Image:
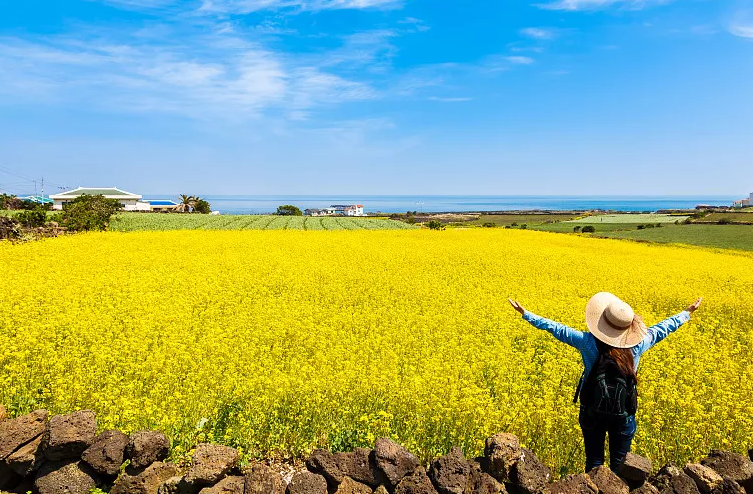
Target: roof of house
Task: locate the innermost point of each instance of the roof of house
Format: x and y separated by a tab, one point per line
162	202
108	192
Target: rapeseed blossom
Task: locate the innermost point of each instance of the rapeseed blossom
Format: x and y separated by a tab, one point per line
276	342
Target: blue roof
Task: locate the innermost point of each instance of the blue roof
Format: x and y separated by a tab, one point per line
162	202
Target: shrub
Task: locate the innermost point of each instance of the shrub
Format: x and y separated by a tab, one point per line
435	225
641	227
576	229
32	218
87	213
523	226
514	224
724	221
489	224
203	207
588	229
649	225
288	210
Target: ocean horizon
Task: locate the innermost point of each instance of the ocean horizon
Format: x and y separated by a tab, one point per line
263	204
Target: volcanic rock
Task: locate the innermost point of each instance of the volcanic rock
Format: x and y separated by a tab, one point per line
260	479
307	483
704	477
671	480
210	463
28	458
395	461
607	481
322	461
733	466
480	482
106	453
574	484
415	483
228	485
67	436
502	451
146	447
350	486
634	470
65	477
147	481
450	473
16	432
529	475
361	465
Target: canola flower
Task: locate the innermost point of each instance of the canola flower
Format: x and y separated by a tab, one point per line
276	342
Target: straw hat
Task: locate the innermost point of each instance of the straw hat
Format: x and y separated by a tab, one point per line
610	320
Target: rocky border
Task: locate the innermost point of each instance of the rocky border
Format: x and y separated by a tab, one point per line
63	455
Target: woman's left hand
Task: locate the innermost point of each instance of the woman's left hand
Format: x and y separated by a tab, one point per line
516	306
694	306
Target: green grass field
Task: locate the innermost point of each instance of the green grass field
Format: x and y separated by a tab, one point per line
520	219
634	218
718	236
733	217
567	226
130	222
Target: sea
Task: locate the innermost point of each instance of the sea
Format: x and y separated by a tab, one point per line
262	204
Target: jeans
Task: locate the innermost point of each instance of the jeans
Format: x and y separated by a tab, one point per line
621	432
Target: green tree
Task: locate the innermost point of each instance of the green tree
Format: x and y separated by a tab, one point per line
288	210
87	213
186	203
202	206
435	225
588	229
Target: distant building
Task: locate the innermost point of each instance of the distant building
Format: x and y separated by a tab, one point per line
318	212
162	205
128	200
743	203
337	209
37	199
349	209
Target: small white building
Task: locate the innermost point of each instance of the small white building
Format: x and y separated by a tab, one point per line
348	209
743	203
128	200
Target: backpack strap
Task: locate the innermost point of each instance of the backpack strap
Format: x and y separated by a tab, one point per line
584	377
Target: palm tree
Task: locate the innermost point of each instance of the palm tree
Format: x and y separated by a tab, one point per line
186	203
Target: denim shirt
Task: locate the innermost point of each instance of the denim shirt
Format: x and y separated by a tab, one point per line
585	343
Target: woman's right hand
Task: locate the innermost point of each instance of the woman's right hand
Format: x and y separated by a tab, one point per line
516	306
694	306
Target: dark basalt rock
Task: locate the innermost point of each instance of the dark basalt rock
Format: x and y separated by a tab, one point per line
146	447
307	483
67	436
107	452
65	477
16	432
395	461
450	473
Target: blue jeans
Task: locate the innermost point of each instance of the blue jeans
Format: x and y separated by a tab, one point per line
620	432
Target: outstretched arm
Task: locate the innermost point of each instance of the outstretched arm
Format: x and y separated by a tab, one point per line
565	334
659	331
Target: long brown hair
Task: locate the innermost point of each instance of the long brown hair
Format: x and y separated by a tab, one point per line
624	356
624	359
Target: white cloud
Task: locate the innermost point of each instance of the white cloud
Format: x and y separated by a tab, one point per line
518	60
538	33
741	30
449	100
217	76
575	5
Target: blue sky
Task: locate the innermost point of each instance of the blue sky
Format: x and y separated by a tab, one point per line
379	96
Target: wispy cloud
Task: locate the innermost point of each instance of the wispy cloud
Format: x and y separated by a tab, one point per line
741	30
248	6
449	100
575	5
519	60
416	24
539	33
218	76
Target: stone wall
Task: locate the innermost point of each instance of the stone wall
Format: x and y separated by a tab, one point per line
63	455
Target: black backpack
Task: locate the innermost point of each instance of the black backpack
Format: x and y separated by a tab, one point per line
607	393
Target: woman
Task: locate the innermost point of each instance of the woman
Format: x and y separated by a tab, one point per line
611	352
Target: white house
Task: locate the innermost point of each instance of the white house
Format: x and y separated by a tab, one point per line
348	209
128	200
743	203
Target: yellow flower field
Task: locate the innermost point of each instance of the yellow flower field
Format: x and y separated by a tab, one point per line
280	341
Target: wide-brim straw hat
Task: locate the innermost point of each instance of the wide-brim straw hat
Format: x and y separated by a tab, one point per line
610	320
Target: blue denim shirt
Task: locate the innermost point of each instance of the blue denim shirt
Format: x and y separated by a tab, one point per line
586	343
